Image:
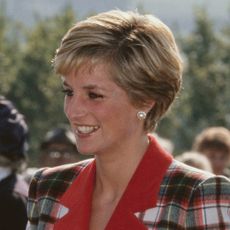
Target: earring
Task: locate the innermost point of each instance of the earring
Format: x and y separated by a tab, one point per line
141	115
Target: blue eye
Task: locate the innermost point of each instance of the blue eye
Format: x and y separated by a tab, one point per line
68	92
94	95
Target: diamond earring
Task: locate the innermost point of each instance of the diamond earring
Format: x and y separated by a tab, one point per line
141	115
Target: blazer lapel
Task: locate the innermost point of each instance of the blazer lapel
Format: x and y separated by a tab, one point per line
139	198
76	202
142	191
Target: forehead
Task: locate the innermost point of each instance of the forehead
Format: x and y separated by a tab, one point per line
90	72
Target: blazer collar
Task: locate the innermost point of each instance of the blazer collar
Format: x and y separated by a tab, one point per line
141	193
75	204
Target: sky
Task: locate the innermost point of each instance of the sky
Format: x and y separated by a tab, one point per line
175	13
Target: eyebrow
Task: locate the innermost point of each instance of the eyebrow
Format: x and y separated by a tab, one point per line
87	87
90	87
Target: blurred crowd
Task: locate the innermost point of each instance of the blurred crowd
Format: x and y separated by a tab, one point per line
57	147
210	152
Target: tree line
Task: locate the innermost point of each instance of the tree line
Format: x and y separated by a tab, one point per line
27	77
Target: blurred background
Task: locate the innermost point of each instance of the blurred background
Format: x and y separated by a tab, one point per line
30	31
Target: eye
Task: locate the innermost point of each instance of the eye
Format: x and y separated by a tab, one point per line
93	95
68	92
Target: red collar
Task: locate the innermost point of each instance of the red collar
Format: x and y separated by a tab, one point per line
140	194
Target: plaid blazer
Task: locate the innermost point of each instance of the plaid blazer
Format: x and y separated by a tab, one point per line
162	194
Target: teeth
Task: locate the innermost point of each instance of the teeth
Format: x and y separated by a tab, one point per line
86	129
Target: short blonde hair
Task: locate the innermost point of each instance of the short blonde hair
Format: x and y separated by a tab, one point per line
140	49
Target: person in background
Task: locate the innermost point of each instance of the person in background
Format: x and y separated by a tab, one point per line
13	148
214	143
196	160
121	71
58	147
164	142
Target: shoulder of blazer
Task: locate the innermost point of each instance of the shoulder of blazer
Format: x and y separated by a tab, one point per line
53	182
180	181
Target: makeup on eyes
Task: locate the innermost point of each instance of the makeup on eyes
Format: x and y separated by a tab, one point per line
67	92
92	94
93	90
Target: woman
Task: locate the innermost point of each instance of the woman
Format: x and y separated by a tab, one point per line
121	72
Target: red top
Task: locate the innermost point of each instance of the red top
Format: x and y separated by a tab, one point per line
141	193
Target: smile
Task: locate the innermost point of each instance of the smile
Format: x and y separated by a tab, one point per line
86	129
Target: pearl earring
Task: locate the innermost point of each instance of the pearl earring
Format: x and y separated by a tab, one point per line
141	115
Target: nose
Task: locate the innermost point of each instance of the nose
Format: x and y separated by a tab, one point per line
75	107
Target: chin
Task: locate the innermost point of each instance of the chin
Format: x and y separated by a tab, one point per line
85	152
89	149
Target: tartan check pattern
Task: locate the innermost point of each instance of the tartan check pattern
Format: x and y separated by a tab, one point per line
46	189
188	199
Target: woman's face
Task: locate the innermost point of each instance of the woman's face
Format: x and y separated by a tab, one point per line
100	113
219	159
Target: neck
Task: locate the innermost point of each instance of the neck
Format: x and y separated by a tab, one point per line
114	171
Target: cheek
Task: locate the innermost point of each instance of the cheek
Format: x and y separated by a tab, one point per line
122	118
